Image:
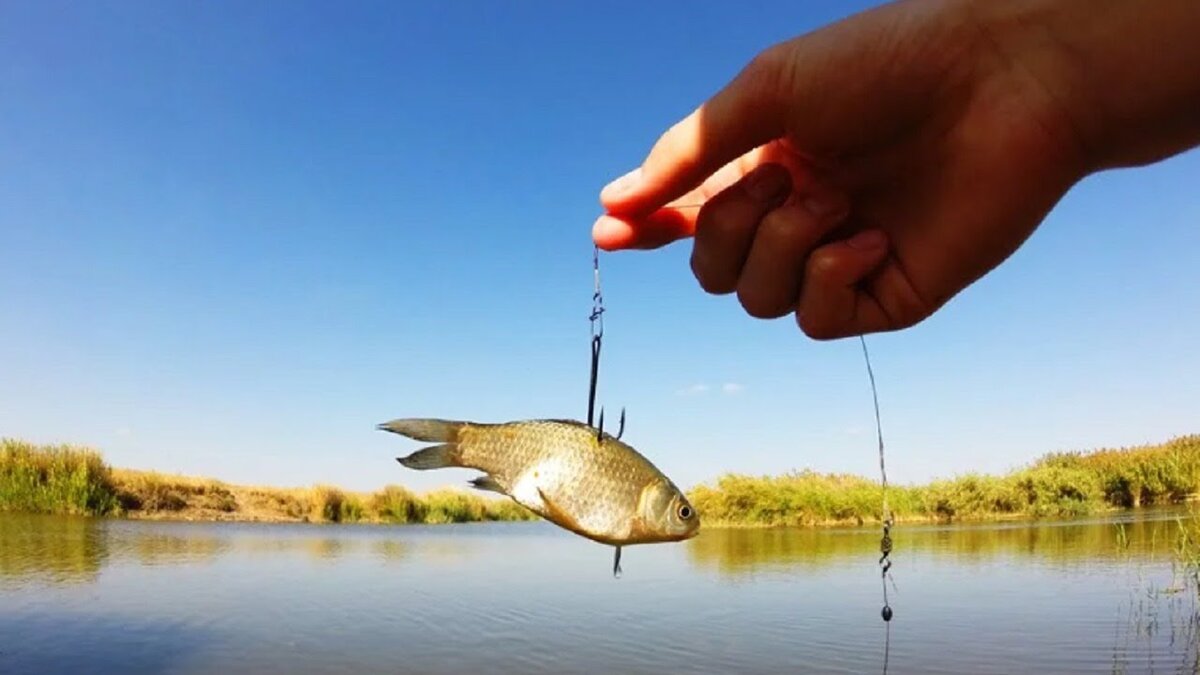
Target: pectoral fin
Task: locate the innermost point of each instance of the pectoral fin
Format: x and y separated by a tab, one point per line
487	484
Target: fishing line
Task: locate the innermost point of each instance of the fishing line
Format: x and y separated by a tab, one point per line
886	514
885	543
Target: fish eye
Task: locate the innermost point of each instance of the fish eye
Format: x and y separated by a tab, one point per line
685	511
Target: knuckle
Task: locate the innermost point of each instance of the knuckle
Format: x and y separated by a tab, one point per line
783	226
762	74
821	265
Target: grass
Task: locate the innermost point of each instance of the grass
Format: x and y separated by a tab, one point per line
1187	550
71	480
1058	485
54	479
74	480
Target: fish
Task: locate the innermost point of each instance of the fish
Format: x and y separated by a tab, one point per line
576	476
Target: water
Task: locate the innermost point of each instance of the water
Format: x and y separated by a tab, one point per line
96	596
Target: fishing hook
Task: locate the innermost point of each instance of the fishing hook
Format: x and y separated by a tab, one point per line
600	427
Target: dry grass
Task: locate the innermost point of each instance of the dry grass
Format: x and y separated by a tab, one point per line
67	479
1057	485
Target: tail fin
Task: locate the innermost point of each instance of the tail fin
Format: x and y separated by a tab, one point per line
432	430
434	457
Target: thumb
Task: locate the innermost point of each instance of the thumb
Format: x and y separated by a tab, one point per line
745	114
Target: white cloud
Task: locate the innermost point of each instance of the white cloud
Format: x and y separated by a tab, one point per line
700	388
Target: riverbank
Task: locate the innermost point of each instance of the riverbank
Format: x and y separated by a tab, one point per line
1063	484
75	480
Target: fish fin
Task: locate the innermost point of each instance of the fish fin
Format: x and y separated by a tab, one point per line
560	517
487	484
431	430
433	457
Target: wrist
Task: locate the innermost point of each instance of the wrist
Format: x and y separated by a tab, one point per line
1123	74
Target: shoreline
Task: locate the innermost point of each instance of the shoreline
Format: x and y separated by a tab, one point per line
76	480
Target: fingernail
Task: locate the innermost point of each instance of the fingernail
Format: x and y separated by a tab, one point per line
826	206
622	184
867	240
768	183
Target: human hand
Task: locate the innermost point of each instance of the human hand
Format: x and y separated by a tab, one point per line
862	175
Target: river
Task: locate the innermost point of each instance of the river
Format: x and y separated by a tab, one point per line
82	595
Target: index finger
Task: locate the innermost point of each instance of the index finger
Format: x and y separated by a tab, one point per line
677	219
743	115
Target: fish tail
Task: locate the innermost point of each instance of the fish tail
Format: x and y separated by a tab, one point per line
433	457
431	430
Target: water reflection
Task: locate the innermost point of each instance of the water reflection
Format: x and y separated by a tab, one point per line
74	550
68	550
123	596
154	548
51	549
1146	537
390	550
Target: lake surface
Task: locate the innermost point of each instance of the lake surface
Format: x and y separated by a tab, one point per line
106	596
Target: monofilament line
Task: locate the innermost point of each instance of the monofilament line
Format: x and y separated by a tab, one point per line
878	425
885	543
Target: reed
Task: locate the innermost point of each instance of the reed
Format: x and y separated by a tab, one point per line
54	479
1061	484
74	480
71	480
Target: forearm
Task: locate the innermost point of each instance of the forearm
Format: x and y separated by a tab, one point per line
1127	72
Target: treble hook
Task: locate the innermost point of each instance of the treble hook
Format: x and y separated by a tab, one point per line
600	426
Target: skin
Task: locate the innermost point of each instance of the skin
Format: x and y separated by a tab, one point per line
861	176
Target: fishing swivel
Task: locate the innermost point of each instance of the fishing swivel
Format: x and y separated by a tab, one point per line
885	542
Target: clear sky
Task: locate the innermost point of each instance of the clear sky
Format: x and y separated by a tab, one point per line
236	236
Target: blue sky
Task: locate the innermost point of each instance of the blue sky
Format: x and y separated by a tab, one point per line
236	236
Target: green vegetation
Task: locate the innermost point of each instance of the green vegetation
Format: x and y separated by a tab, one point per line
1187	550
54	479
69	480
1057	485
